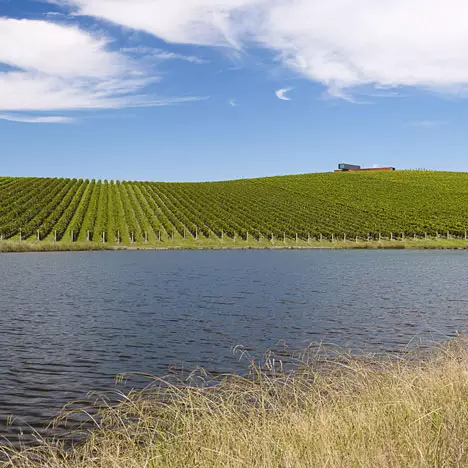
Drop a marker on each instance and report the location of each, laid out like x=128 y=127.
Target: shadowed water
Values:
x=69 y=322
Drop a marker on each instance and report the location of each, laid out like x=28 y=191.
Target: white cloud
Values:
x=428 y=123
x=56 y=50
x=37 y=119
x=162 y=55
x=54 y=67
x=27 y=91
x=282 y=94
x=206 y=22
x=343 y=44
x=232 y=102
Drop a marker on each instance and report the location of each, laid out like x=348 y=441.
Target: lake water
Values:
x=69 y=322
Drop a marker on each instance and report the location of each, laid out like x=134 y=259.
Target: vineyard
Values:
x=300 y=208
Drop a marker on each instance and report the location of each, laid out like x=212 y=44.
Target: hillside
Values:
x=310 y=205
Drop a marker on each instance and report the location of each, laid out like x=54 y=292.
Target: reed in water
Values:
x=329 y=411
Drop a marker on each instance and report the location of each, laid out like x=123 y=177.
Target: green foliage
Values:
x=29 y=216
x=311 y=206
x=101 y=226
x=89 y=221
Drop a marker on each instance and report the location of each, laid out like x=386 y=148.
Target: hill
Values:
x=308 y=206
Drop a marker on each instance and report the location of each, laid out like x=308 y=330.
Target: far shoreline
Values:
x=15 y=246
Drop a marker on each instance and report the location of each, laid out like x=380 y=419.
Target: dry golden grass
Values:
x=337 y=412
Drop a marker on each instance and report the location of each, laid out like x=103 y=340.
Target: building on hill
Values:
x=348 y=167
x=342 y=167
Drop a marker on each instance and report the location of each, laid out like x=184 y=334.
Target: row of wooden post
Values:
x=104 y=236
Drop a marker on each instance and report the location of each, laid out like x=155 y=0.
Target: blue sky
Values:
x=190 y=91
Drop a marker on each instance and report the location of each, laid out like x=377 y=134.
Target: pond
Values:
x=70 y=322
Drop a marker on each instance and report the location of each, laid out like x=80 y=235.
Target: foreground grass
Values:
x=337 y=412
x=229 y=244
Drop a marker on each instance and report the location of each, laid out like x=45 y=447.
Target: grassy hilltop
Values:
x=299 y=208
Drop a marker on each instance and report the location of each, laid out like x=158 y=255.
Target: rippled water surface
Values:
x=70 y=322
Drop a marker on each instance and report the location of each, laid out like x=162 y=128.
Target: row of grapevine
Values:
x=89 y=221
x=146 y=232
x=150 y=212
x=75 y=227
x=305 y=207
x=102 y=215
x=190 y=219
x=13 y=222
x=61 y=216
x=123 y=233
x=45 y=220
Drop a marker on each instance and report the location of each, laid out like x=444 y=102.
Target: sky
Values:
x=198 y=90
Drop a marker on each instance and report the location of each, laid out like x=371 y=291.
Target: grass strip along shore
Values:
x=330 y=410
x=207 y=244
x=332 y=209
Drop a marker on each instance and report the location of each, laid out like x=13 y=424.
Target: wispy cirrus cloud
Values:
x=53 y=119
x=282 y=94
x=203 y=22
x=163 y=55
x=428 y=123
x=52 y=67
x=342 y=44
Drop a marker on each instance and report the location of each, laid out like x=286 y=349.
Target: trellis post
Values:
x=38 y=235
x=55 y=237
x=72 y=235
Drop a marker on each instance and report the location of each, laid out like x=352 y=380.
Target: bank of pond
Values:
x=319 y=408
x=362 y=243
